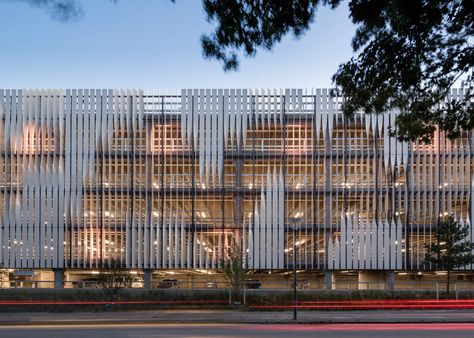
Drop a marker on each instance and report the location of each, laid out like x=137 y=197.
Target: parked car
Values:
x=211 y=285
x=137 y=282
x=169 y=283
x=253 y=284
x=89 y=282
x=302 y=284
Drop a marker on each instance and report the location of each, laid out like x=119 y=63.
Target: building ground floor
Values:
x=271 y=279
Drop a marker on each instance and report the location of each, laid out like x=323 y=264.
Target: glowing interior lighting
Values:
x=300 y=242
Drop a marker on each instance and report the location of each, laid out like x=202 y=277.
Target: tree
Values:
x=451 y=249
x=113 y=278
x=61 y=10
x=409 y=53
x=233 y=267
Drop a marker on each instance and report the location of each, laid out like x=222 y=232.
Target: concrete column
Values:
x=329 y=280
x=148 y=278
x=59 y=278
x=391 y=280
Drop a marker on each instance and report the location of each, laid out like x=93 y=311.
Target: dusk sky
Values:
x=155 y=44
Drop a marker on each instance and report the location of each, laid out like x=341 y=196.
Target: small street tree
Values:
x=234 y=269
x=113 y=278
x=451 y=249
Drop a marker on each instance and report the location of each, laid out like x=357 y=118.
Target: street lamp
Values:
x=295 y=222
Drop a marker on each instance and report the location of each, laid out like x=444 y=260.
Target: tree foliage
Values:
x=62 y=10
x=411 y=54
x=247 y=25
x=408 y=54
x=114 y=277
x=233 y=267
x=451 y=249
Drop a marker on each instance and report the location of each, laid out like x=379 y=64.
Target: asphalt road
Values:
x=202 y=316
x=454 y=330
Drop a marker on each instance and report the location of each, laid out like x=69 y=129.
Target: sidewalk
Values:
x=236 y=317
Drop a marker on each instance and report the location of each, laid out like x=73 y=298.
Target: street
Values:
x=240 y=330
x=206 y=316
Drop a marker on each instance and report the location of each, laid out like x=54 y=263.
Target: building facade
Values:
x=176 y=180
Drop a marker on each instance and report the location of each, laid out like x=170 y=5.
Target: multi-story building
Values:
x=174 y=180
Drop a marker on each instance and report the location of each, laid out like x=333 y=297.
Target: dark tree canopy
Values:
x=408 y=53
x=247 y=25
x=62 y=10
x=451 y=248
